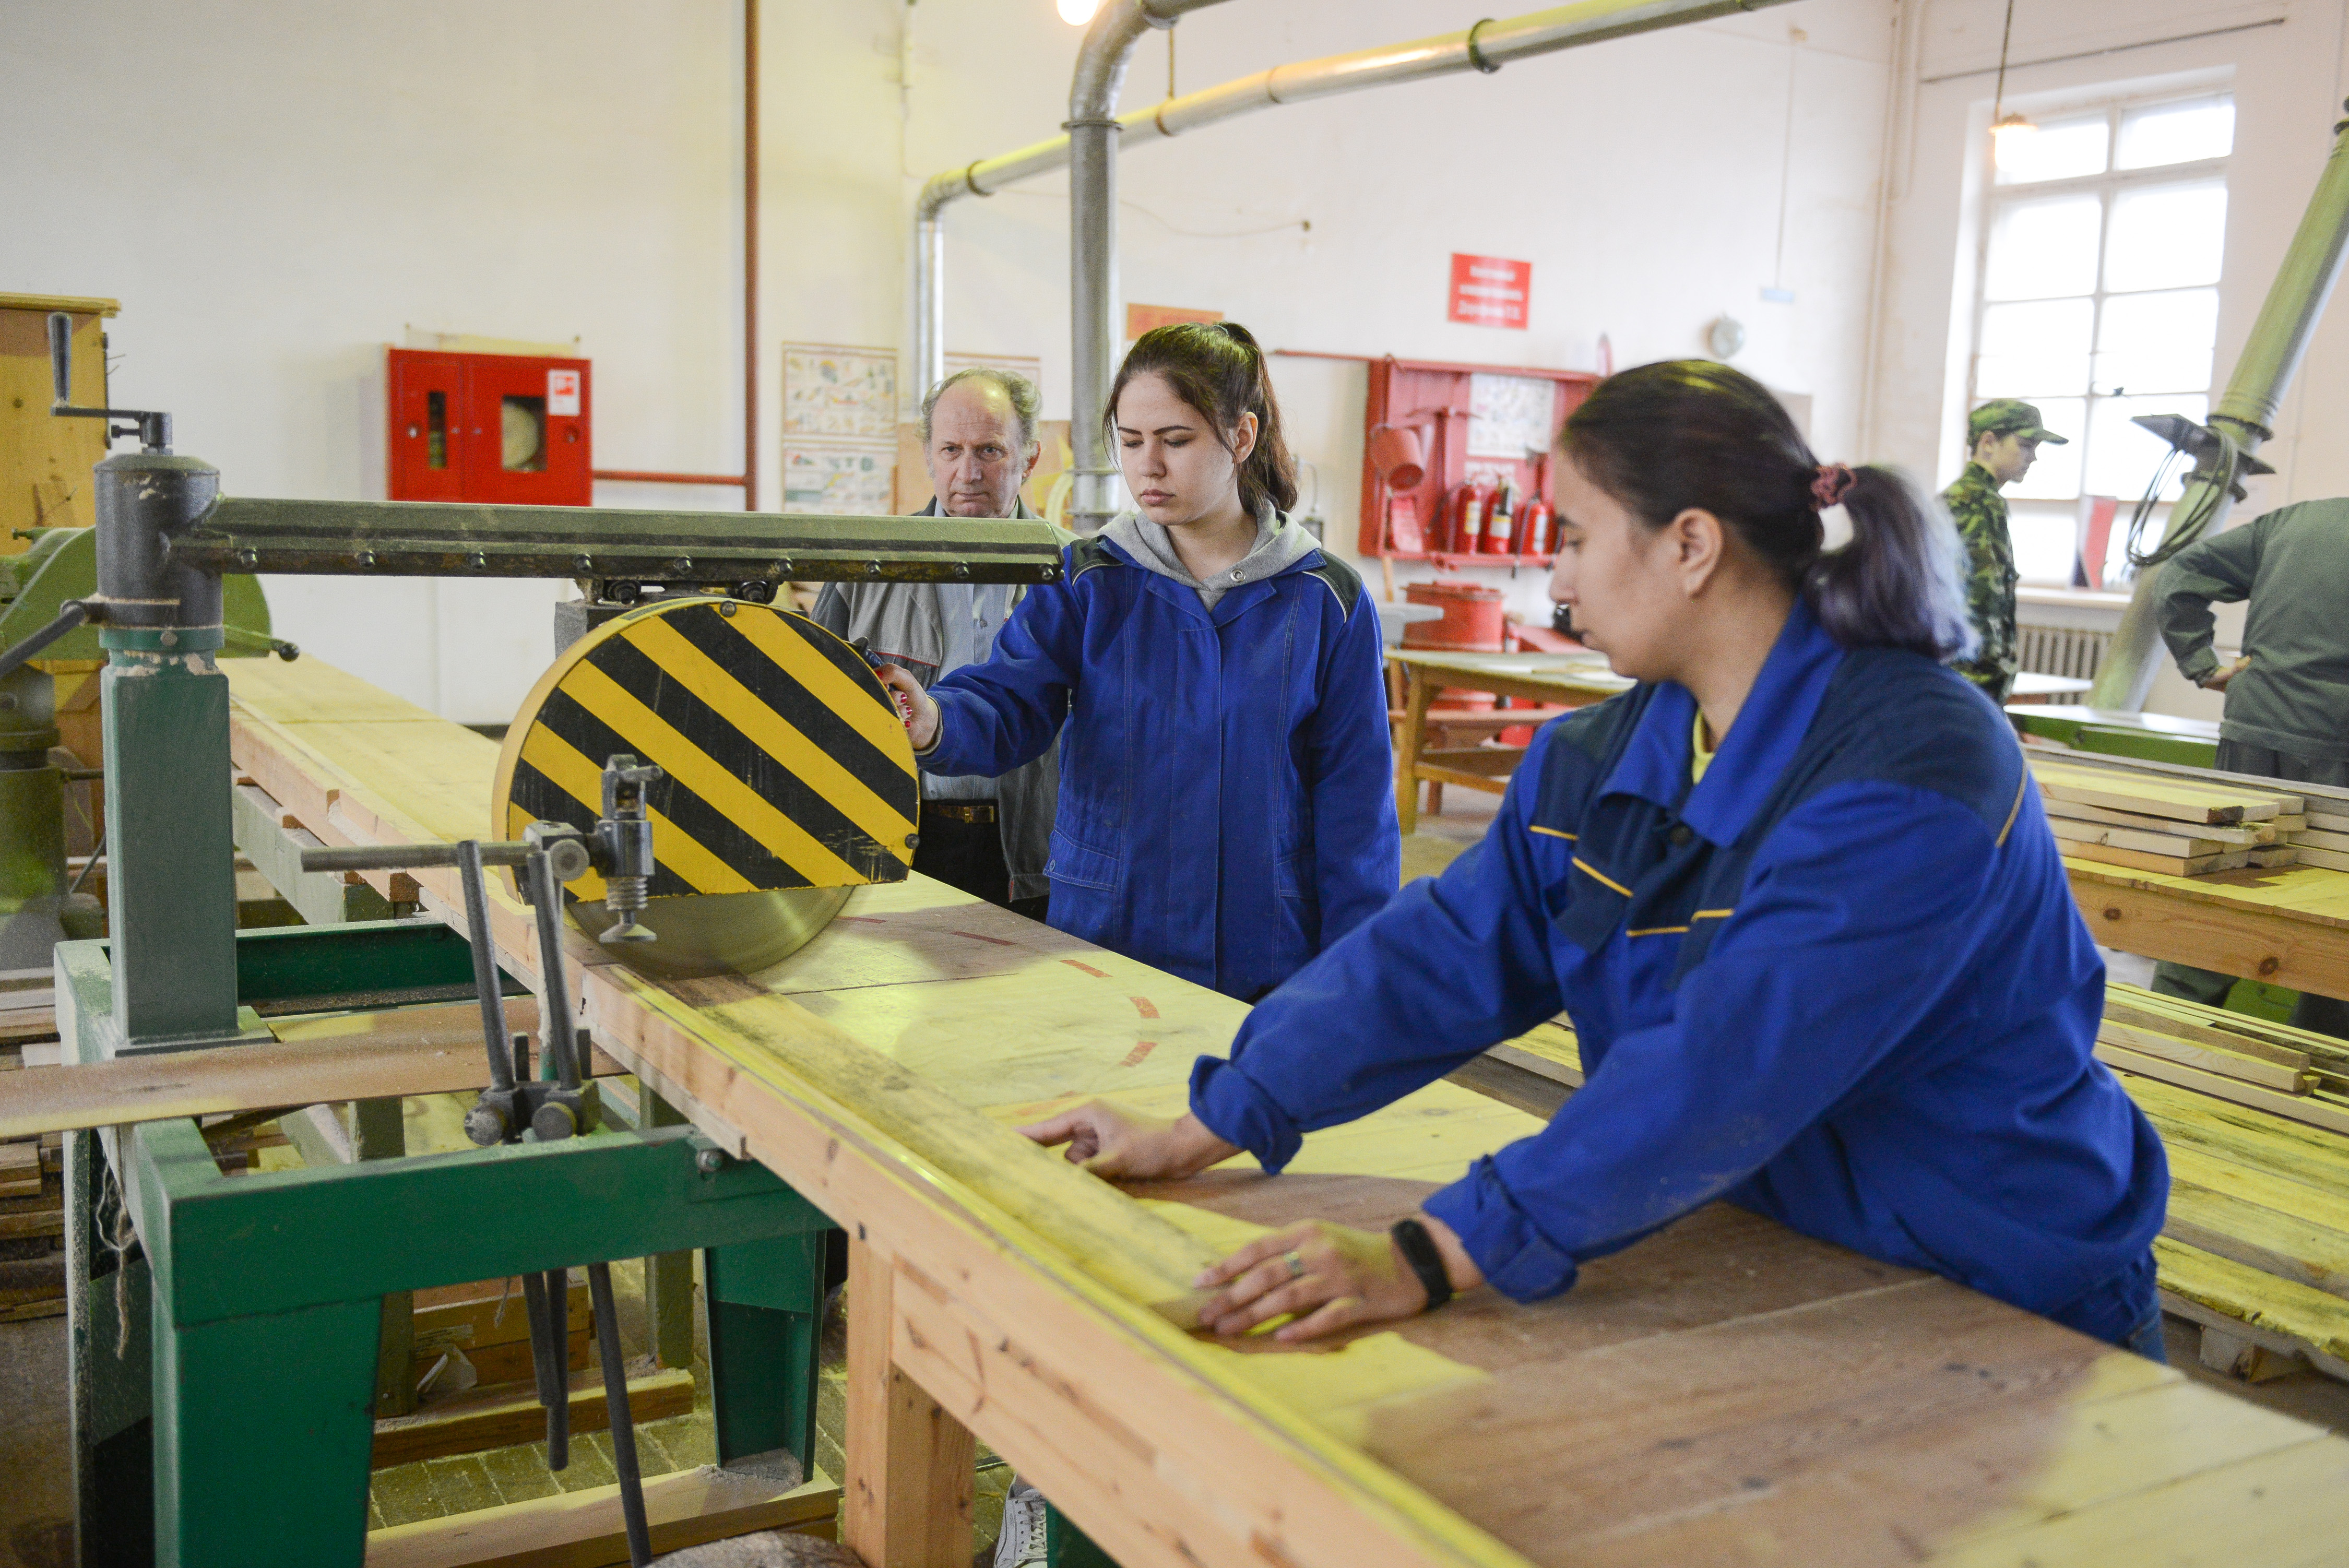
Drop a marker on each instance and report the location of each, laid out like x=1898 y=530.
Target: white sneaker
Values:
x=1022 y=1539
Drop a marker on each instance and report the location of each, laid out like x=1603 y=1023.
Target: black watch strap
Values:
x=1418 y=1250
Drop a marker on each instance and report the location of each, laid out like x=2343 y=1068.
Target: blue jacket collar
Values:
x=1777 y=712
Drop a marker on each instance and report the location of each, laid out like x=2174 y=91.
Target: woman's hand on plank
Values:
x=1122 y=1145
x=1326 y=1277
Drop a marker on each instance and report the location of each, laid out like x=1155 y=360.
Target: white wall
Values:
x=2284 y=59
x=274 y=190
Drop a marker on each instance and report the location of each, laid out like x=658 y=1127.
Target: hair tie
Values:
x=1833 y=483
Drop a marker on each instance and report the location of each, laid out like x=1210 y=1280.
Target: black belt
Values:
x=960 y=811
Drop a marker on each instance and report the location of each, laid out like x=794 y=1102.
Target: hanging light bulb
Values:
x=1077 y=13
x=2005 y=128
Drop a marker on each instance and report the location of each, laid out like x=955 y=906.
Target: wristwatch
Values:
x=1418 y=1250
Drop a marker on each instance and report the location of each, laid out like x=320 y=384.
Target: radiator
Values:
x=2062 y=650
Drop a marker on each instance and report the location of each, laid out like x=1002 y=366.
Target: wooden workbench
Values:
x=1725 y=1392
x=1555 y=680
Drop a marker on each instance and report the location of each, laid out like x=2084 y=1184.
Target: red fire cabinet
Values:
x=499 y=428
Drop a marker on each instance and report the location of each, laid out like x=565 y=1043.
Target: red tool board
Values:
x=1437 y=400
x=502 y=430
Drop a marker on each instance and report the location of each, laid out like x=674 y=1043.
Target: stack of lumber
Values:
x=2173 y=823
x=2325 y=841
x=2287 y=1072
x=2256 y=1244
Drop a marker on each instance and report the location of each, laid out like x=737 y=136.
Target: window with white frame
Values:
x=2103 y=240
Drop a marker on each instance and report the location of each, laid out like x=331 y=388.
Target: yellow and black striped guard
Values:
x=786 y=762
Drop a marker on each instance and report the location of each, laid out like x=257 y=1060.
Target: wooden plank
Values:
x=495 y=1418
x=584 y=1530
x=2138 y=839
x=20 y=1163
x=910 y=1485
x=2312 y=1321
x=2331 y=859
x=2244 y=835
x=2121 y=1008
x=2147 y=797
x=2299 y=1108
x=2171 y=865
x=2165 y=920
x=2276 y=1243
x=358 y=1056
x=2283 y=1076
x=1485 y=761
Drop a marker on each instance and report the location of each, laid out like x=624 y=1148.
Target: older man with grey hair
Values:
x=988 y=837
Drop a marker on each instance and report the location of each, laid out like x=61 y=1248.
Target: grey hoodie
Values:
x=1279 y=544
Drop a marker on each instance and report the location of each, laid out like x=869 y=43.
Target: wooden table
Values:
x=1725 y=1392
x=2289 y=925
x=1557 y=680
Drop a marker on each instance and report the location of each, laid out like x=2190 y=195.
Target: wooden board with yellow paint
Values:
x=44 y=461
x=1725 y=1391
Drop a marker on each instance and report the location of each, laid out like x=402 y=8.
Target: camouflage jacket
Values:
x=1980 y=513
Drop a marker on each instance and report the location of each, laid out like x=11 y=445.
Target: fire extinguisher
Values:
x=1534 y=537
x=1500 y=521
x=1467 y=519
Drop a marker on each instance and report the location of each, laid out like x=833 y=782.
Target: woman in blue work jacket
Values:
x=1227 y=804
x=1795 y=890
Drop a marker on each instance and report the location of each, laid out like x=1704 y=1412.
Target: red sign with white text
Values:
x=1490 y=290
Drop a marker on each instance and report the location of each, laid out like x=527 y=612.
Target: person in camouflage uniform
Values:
x=2003 y=442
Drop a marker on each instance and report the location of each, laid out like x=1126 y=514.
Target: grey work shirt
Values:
x=918 y=625
x=972 y=612
x=2294 y=566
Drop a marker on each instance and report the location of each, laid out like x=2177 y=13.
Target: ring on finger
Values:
x=1295 y=1265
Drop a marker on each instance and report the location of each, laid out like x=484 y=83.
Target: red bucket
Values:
x=1472 y=624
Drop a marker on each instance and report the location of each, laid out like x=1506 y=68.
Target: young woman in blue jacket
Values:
x=1795 y=890
x=1226 y=806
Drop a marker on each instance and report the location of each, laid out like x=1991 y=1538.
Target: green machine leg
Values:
x=108 y=1350
x=766 y=1311
x=171 y=859
x=226 y=1426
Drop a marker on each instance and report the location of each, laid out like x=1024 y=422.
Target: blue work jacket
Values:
x=1226 y=803
x=1840 y=981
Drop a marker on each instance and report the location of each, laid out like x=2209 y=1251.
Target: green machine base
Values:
x=225 y=1329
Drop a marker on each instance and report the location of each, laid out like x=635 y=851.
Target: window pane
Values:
x=2156 y=342
x=2177 y=134
x=2039 y=250
x=2121 y=455
x=2063 y=151
x=2043 y=539
x=2167 y=237
x=2056 y=475
x=2034 y=350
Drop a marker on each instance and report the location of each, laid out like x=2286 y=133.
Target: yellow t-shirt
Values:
x=1699 y=754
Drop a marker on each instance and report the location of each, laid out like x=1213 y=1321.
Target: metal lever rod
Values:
x=549 y=1328
x=71 y=614
x=485 y=969
x=408 y=857
x=623 y=1424
x=560 y=1030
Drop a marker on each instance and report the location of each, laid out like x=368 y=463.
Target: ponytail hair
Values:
x=1217 y=368
x=1693 y=434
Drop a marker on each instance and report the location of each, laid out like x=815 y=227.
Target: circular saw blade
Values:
x=788 y=780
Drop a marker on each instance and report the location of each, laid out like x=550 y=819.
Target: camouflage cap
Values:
x=2011 y=417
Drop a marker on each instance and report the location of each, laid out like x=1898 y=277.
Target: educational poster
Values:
x=831 y=391
x=1509 y=416
x=843 y=478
